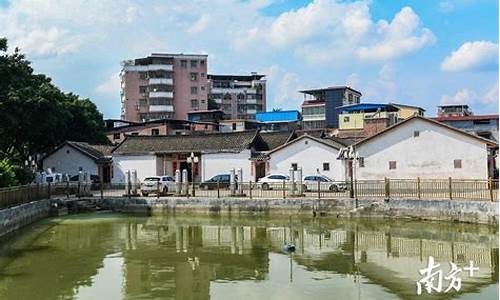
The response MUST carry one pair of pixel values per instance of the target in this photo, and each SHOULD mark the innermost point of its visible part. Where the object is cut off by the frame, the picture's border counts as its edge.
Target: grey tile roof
(206, 143)
(275, 139)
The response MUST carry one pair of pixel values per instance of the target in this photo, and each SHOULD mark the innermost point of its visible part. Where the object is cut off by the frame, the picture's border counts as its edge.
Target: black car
(93, 178)
(221, 181)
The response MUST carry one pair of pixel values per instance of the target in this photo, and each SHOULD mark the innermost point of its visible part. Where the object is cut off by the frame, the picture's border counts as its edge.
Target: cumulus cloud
(478, 55)
(462, 96)
(110, 86)
(200, 25)
(403, 35)
(491, 95)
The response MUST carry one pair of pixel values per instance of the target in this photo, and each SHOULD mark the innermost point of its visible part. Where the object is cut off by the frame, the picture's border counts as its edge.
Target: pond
(112, 256)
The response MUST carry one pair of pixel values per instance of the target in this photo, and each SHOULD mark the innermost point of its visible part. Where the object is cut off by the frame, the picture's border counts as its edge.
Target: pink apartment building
(163, 86)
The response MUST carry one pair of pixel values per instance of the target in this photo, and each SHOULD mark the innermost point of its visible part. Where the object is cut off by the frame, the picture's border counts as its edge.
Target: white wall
(430, 155)
(220, 163)
(310, 157)
(68, 160)
(145, 165)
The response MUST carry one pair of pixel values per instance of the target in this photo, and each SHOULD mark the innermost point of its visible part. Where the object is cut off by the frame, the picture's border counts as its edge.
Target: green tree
(35, 116)
(7, 173)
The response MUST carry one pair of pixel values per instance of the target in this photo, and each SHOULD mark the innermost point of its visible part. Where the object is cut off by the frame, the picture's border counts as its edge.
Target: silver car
(325, 184)
(157, 184)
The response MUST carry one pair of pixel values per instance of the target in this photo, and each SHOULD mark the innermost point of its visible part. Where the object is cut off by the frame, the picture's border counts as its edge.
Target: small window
(194, 103)
(392, 165)
(416, 133)
(202, 63)
(234, 126)
(202, 75)
(326, 166)
(184, 63)
(346, 119)
(457, 163)
(294, 166)
(194, 90)
(116, 136)
(194, 63)
(143, 89)
(155, 131)
(194, 76)
(361, 161)
(143, 75)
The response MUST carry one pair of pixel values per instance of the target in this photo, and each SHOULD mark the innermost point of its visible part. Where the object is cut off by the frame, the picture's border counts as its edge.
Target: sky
(423, 53)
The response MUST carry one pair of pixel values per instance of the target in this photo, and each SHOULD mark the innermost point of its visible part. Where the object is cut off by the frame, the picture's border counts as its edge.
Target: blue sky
(415, 52)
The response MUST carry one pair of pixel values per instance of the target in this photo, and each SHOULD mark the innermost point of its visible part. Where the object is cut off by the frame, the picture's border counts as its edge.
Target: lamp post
(192, 159)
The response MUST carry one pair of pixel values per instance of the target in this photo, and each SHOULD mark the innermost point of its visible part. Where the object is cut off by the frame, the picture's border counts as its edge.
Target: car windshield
(310, 178)
(152, 179)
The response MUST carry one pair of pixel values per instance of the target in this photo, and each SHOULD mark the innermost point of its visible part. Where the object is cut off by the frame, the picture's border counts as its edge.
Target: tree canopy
(35, 115)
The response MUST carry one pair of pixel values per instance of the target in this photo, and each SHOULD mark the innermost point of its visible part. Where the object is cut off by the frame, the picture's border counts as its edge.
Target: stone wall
(16, 217)
(480, 212)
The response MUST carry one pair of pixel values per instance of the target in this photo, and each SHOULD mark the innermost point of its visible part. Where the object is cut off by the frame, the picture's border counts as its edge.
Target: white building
(72, 157)
(314, 155)
(163, 155)
(421, 147)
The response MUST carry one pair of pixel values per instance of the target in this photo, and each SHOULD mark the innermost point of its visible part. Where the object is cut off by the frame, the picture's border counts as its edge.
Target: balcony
(168, 81)
(161, 108)
(143, 68)
(161, 94)
(251, 111)
(316, 117)
(233, 90)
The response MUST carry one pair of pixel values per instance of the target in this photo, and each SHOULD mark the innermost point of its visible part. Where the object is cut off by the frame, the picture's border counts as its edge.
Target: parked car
(93, 178)
(223, 180)
(155, 184)
(325, 184)
(272, 180)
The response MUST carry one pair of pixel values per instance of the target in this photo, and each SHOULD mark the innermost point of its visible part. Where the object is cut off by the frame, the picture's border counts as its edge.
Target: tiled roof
(207, 143)
(275, 139)
(466, 118)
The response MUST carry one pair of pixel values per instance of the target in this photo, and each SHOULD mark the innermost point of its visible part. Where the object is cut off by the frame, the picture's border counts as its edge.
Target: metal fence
(451, 189)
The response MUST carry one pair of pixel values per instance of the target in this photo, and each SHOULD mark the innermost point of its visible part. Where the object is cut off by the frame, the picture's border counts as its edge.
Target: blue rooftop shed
(284, 116)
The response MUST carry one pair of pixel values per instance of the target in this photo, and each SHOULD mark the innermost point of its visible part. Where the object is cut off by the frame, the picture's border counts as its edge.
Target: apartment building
(319, 109)
(238, 96)
(163, 86)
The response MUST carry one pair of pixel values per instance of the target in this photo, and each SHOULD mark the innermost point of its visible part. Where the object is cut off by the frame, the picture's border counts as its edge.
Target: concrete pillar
(185, 182)
(232, 182)
(128, 182)
(178, 182)
(299, 182)
(135, 182)
(240, 181)
(292, 181)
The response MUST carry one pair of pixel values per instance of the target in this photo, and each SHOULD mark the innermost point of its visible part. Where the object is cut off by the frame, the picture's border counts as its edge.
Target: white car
(155, 184)
(325, 184)
(272, 180)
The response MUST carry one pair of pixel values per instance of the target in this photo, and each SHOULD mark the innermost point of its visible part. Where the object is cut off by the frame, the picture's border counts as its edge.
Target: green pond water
(112, 256)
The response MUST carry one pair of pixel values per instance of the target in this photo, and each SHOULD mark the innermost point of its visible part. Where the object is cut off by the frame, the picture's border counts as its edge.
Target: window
(361, 161)
(392, 165)
(203, 101)
(294, 166)
(234, 126)
(184, 63)
(416, 133)
(194, 63)
(350, 98)
(326, 166)
(194, 76)
(155, 131)
(202, 87)
(457, 163)
(309, 178)
(346, 119)
(143, 89)
(194, 90)
(143, 75)
(202, 62)
(202, 75)
(143, 102)
(278, 177)
(116, 136)
(194, 103)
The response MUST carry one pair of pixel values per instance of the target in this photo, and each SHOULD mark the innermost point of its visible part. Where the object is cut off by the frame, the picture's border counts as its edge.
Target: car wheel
(144, 194)
(265, 186)
(165, 191)
(333, 188)
(304, 188)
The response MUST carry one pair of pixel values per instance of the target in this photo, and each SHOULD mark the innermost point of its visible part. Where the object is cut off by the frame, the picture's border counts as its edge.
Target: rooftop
(367, 107)
(236, 77)
(466, 118)
(330, 88)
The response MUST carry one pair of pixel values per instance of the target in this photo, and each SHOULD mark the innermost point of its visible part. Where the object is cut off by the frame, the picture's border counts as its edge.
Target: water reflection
(113, 257)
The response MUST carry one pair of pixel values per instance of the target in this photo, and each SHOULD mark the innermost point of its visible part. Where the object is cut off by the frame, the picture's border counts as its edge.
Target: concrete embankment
(479, 212)
(14, 218)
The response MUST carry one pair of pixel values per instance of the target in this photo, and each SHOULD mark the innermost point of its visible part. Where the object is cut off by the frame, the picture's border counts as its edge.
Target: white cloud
(110, 86)
(446, 6)
(462, 96)
(353, 80)
(285, 88)
(478, 55)
(491, 95)
(200, 25)
(403, 35)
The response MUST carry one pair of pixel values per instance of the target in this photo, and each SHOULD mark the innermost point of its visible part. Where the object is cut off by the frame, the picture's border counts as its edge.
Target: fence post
(48, 191)
(129, 184)
(250, 189)
(158, 190)
(490, 187)
(218, 189)
(449, 188)
(319, 190)
(418, 187)
(102, 190)
(67, 189)
(387, 188)
(284, 190)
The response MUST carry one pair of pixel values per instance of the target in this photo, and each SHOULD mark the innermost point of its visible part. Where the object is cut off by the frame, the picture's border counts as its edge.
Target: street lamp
(192, 159)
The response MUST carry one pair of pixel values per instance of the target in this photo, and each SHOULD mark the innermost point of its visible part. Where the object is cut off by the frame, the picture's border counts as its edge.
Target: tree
(7, 174)
(35, 116)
